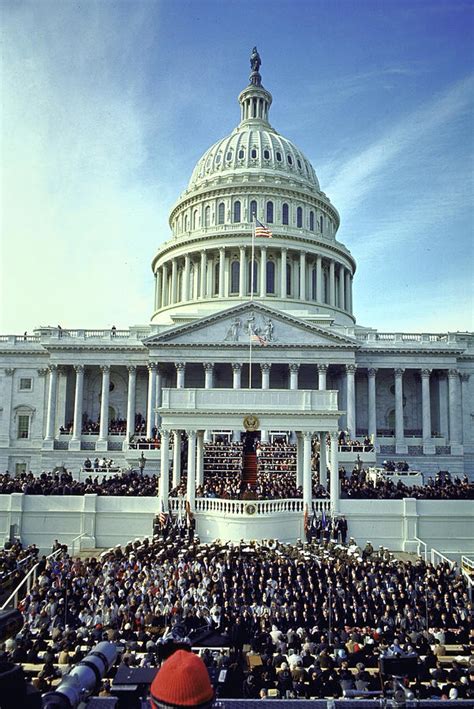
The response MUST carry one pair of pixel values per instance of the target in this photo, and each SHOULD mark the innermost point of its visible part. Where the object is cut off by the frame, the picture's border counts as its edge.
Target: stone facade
(412, 393)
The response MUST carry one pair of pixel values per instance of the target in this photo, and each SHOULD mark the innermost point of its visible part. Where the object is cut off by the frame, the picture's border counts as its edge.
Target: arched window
(278, 156)
(266, 154)
(313, 283)
(252, 210)
(234, 277)
(221, 213)
(288, 279)
(285, 214)
(321, 224)
(186, 222)
(270, 212)
(195, 219)
(311, 220)
(290, 159)
(299, 217)
(253, 153)
(271, 277)
(255, 276)
(236, 212)
(241, 154)
(216, 278)
(207, 216)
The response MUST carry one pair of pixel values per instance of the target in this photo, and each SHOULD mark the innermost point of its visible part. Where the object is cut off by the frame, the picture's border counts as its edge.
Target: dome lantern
(255, 100)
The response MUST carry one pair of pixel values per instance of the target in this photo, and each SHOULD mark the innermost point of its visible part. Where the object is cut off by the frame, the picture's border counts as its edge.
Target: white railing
(467, 570)
(421, 543)
(29, 581)
(72, 544)
(438, 558)
(244, 508)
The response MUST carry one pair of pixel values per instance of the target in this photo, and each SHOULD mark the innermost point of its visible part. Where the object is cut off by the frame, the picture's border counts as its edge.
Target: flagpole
(252, 271)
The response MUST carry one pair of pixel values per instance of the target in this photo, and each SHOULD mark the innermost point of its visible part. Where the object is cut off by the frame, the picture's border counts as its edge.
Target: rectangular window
(23, 426)
(25, 384)
(20, 468)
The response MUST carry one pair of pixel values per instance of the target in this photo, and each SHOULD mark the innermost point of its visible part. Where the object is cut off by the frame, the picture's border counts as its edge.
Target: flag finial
(255, 64)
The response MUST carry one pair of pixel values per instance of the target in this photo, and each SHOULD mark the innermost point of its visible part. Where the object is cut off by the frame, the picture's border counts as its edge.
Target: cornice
(406, 351)
(139, 347)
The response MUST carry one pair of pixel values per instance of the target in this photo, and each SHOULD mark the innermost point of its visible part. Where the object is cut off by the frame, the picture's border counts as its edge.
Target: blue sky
(107, 105)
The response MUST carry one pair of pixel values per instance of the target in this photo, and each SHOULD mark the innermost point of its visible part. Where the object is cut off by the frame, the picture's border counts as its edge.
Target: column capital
(79, 368)
(42, 372)
(372, 371)
(236, 366)
(266, 366)
(465, 377)
(425, 373)
(105, 368)
(152, 366)
(221, 249)
(191, 434)
(52, 368)
(263, 247)
(294, 367)
(164, 434)
(180, 366)
(308, 435)
(208, 366)
(322, 367)
(62, 370)
(351, 368)
(9, 371)
(453, 373)
(334, 436)
(399, 371)
(284, 249)
(132, 368)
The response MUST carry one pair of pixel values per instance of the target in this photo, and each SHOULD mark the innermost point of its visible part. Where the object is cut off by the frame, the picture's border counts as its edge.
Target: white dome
(254, 147)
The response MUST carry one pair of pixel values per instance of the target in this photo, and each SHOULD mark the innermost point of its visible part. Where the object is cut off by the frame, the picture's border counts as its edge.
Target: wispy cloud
(353, 179)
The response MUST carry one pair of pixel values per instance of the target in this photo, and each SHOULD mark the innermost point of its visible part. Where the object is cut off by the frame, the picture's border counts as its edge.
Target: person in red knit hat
(182, 681)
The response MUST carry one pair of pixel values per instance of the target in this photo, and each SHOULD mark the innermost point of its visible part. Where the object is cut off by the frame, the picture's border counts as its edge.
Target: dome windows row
(299, 217)
(270, 157)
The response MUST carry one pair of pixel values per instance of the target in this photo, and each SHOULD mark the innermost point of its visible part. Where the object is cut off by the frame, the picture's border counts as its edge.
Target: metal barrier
(28, 581)
(438, 558)
(467, 570)
(421, 543)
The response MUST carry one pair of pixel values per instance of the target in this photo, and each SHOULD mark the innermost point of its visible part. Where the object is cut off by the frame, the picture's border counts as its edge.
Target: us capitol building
(284, 353)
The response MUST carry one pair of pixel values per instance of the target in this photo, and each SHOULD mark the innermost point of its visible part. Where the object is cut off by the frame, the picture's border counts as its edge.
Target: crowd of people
(117, 426)
(315, 616)
(127, 484)
(456, 488)
(15, 561)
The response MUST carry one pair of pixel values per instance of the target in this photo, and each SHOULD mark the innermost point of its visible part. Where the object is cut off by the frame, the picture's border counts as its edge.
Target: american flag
(262, 230)
(163, 514)
(259, 340)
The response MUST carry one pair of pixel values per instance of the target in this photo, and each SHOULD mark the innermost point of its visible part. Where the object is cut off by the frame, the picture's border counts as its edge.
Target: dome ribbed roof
(254, 148)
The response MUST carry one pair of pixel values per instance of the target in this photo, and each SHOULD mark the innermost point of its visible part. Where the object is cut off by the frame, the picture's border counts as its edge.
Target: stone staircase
(249, 474)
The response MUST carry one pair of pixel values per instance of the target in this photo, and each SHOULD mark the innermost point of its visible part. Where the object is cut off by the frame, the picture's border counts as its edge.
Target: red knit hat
(182, 681)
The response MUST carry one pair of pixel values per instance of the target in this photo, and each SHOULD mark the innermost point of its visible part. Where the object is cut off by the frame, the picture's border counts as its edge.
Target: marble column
(372, 403)
(75, 442)
(208, 384)
(174, 280)
(465, 405)
(334, 473)
(332, 284)
(164, 285)
(350, 399)
(151, 399)
(131, 401)
(348, 292)
(164, 469)
(283, 293)
(263, 271)
(454, 411)
(200, 459)
(299, 460)
(191, 481)
(51, 410)
(323, 460)
(322, 376)
(102, 441)
(221, 272)
(307, 482)
(176, 458)
(187, 266)
(443, 405)
(265, 369)
(302, 275)
(428, 444)
(319, 279)
(203, 275)
(341, 287)
(294, 368)
(400, 445)
(242, 273)
(159, 388)
(158, 289)
(180, 370)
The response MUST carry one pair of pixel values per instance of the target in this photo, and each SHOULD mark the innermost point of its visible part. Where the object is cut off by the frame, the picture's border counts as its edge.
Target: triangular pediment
(238, 325)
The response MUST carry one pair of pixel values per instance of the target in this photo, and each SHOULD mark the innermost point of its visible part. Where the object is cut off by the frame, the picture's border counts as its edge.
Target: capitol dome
(253, 173)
